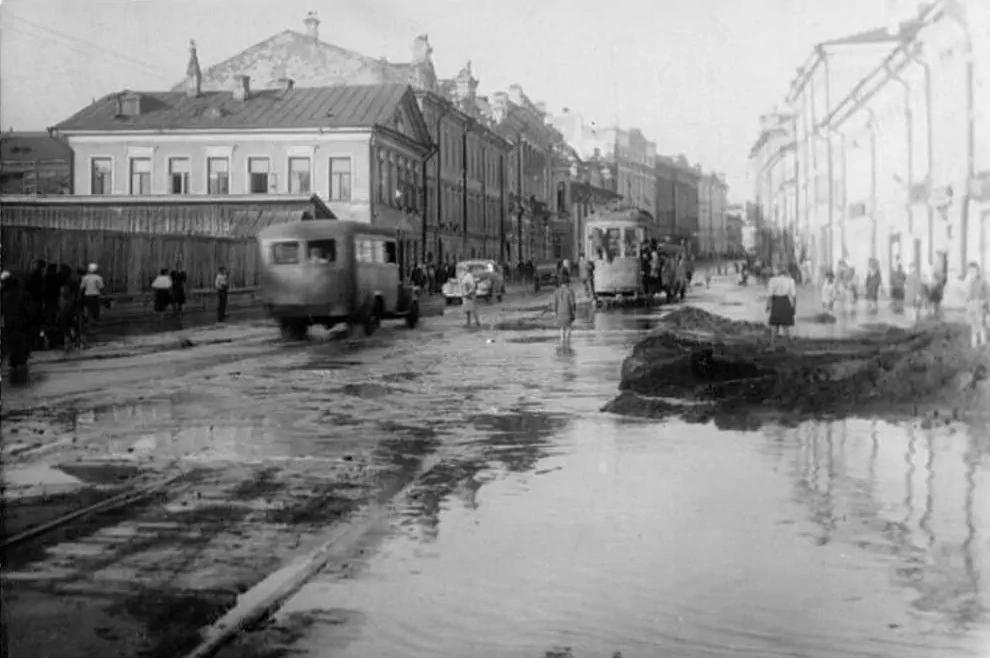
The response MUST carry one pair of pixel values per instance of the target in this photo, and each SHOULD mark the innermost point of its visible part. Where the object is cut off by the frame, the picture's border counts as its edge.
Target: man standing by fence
(91, 287)
(222, 285)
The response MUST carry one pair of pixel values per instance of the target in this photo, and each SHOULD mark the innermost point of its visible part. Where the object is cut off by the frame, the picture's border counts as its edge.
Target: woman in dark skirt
(781, 304)
(178, 291)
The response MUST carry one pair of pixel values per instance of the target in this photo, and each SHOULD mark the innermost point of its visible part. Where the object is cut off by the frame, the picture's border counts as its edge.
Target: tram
(612, 242)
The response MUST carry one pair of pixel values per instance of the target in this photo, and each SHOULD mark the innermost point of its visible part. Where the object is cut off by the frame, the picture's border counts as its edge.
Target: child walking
(564, 308)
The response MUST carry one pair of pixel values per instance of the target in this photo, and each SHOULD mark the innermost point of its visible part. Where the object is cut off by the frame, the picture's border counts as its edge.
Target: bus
(330, 272)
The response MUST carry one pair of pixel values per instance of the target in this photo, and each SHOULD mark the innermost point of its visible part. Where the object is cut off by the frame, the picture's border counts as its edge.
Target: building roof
(32, 147)
(361, 106)
(308, 61)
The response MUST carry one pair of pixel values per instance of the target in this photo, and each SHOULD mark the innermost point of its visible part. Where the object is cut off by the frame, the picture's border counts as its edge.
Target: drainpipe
(519, 190)
(439, 154)
(434, 151)
(464, 193)
(970, 131)
(842, 213)
(909, 123)
(929, 147)
(874, 211)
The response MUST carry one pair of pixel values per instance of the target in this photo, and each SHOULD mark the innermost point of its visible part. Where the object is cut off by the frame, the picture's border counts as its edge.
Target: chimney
(312, 23)
(194, 77)
(242, 87)
(286, 84)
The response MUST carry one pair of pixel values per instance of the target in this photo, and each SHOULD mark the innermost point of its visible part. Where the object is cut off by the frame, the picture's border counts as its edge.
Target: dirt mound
(689, 318)
(733, 369)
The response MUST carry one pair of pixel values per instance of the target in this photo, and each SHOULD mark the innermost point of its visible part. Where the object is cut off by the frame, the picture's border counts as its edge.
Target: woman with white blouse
(781, 304)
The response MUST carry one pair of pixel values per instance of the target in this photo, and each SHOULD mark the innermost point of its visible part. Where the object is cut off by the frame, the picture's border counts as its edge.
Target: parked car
(545, 273)
(488, 274)
(332, 271)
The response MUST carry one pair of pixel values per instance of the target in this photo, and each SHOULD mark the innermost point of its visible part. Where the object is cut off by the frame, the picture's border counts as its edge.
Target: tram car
(613, 242)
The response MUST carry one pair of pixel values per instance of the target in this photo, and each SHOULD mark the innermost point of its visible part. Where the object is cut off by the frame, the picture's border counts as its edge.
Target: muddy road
(515, 517)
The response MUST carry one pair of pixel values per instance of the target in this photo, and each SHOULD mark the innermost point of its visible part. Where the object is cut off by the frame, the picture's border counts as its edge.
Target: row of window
(398, 181)
(321, 252)
(260, 177)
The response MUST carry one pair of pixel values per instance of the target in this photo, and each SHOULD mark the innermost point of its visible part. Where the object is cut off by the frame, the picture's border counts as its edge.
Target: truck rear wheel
(293, 329)
(412, 317)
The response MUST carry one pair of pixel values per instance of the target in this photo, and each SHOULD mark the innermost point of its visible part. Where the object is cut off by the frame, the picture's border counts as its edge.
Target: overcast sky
(694, 75)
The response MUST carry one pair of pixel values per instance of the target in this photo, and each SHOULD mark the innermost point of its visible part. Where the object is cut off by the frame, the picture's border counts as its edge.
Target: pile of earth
(717, 365)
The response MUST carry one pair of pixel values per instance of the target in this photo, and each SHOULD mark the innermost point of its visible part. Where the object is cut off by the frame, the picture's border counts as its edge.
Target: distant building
(361, 148)
(631, 155)
(735, 219)
(712, 230)
(677, 194)
(34, 163)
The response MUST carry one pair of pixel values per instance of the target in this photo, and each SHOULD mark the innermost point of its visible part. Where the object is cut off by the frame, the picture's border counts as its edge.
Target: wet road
(553, 525)
(539, 521)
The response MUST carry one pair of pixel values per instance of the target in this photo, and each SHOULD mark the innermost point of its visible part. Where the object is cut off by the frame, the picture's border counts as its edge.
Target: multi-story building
(529, 172)
(891, 158)
(632, 156)
(581, 191)
(677, 185)
(712, 232)
(466, 172)
(361, 148)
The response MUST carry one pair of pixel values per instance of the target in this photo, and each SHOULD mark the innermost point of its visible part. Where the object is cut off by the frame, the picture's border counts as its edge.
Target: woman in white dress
(781, 304)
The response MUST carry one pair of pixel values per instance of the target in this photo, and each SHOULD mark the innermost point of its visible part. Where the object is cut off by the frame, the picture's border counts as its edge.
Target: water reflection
(678, 539)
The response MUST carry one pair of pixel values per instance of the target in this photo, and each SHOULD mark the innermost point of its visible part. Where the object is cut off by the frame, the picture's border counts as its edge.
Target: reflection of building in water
(919, 497)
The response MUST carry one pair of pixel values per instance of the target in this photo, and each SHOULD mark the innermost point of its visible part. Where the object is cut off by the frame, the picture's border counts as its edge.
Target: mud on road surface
(725, 369)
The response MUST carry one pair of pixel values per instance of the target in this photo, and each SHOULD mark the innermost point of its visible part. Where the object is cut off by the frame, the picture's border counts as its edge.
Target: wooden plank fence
(131, 240)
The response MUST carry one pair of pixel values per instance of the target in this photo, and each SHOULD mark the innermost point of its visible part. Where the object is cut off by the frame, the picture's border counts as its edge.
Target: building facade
(533, 225)
(464, 196)
(360, 148)
(890, 153)
(712, 230)
(677, 192)
(631, 156)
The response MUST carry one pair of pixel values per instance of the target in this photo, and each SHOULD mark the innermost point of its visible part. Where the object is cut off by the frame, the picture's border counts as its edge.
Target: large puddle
(846, 538)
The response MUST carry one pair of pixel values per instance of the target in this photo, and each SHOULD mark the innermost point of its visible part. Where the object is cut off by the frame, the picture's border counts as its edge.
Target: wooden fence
(132, 239)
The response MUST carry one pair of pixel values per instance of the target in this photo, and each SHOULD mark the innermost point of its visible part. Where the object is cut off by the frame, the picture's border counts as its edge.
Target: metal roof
(33, 146)
(359, 106)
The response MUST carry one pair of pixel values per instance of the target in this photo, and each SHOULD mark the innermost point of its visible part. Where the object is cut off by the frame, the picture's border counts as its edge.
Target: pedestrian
(69, 310)
(655, 267)
(91, 287)
(914, 292)
(977, 305)
(898, 279)
(161, 286)
(873, 282)
(564, 308)
(178, 291)
(584, 271)
(829, 293)
(681, 275)
(781, 304)
(52, 285)
(469, 290)
(16, 313)
(222, 285)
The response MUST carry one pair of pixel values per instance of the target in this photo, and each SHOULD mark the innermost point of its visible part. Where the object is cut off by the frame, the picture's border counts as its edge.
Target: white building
(890, 145)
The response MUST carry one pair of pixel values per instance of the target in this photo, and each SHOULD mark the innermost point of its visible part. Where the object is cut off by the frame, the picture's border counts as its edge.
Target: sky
(693, 75)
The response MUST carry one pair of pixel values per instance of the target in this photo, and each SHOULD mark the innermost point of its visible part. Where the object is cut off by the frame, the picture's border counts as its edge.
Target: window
(322, 251)
(382, 183)
(390, 253)
(393, 184)
(298, 175)
(178, 175)
(101, 176)
(140, 175)
(364, 251)
(285, 253)
(340, 179)
(259, 170)
(218, 176)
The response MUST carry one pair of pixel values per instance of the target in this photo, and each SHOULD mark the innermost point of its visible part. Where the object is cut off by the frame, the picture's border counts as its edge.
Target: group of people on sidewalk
(46, 308)
(924, 294)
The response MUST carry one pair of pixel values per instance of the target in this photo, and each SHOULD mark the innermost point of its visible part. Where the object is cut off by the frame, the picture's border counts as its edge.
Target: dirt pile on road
(719, 365)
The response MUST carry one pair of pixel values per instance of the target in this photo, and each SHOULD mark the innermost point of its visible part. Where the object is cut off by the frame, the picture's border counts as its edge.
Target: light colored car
(488, 274)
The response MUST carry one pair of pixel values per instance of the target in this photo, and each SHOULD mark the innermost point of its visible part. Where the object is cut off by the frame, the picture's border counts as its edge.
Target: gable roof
(359, 106)
(32, 147)
(308, 61)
